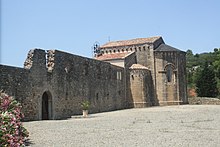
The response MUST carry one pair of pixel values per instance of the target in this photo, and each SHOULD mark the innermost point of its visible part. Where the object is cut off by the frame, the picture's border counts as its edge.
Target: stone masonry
(166, 83)
(124, 74)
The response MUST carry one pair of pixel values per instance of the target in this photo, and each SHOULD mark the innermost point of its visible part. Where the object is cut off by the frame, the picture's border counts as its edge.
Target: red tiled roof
(130, 42)
(113, 56)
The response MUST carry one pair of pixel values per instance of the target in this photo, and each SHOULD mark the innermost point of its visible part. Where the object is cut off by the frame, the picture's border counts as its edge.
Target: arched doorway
(46, 106)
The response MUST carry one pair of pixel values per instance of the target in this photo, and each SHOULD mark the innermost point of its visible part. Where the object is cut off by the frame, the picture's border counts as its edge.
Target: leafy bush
(12, 133)
(85, 105)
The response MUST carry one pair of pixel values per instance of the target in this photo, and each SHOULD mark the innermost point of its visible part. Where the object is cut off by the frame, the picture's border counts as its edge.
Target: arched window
(169, 72)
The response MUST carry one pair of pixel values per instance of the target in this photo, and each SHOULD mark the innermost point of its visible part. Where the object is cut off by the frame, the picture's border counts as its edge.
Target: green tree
(217, 64)
(189, 53)
(206, 84)
(189, 67)
(216, 50)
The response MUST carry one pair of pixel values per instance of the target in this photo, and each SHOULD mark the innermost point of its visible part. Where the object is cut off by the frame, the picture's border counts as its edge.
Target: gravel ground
(170, 126)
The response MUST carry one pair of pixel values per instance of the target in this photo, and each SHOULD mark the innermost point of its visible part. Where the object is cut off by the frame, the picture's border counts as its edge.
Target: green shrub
(85, 105)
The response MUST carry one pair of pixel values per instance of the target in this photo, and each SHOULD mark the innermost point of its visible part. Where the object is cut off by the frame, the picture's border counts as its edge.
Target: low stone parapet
(203, 101)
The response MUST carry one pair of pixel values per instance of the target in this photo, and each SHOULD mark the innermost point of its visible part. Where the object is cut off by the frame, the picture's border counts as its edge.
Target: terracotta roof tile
(113, 56)
(130, 42)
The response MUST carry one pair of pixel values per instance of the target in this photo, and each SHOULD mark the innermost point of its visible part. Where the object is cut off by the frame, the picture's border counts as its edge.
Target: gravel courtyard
(170, 126)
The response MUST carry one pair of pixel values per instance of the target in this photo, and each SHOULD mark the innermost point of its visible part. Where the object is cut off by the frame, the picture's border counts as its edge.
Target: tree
(189, 66)
(217, 64)
(189, 53)
(206, 84)
(216, 50)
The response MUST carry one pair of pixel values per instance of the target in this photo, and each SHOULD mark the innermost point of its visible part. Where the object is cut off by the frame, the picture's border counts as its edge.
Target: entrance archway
(46, 106)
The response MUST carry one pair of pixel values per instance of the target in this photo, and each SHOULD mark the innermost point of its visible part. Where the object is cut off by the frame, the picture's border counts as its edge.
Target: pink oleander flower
(12, 133)
(5, 104)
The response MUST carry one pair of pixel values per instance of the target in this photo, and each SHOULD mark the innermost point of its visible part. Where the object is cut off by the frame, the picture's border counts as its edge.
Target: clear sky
(74, 25)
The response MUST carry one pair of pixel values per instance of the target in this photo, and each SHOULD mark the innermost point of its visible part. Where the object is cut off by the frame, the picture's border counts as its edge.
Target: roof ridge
(131, 41)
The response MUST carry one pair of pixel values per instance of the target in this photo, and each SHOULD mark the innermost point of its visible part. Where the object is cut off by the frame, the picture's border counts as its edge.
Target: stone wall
(27, 84)
(203, 101)
(174, 91)
(182, 77)
(54, 83)
(130, 60)
(140, 87)
(16, 82)
(78, 78)
(145, 57)
(67, 80)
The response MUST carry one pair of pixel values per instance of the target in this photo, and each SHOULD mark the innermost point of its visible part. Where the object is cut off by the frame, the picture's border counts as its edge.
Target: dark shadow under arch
(170, 72)
(46, 106)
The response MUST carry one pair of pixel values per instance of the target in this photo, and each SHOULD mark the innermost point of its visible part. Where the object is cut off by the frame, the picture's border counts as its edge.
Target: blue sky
(74, 25)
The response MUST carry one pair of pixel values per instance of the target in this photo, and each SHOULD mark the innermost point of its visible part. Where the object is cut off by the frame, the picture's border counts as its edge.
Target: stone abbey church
(124, 74)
